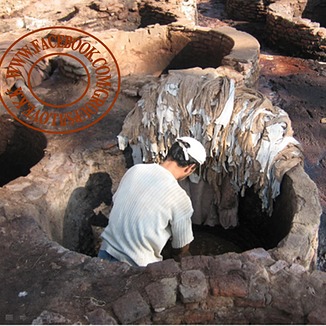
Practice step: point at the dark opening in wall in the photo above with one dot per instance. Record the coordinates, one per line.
(78, 233)
(256, 229)
(20, 149)
(316, 12)
(82, 227)
(195, 54)
(150, 16)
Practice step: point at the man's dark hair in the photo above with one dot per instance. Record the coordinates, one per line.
(176, 154)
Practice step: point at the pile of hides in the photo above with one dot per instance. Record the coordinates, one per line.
(248, 141)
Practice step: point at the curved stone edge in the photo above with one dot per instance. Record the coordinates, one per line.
(300, 245)
(240, 51)
(248, 288)
(250, 10)
(244, 56)
(302, 36)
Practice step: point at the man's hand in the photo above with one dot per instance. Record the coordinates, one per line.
(177, 254)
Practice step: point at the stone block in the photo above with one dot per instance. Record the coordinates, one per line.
(171, 316)
(219, 302)
(49, 317)
(162, 294)
(194, 317)
(317, 317)
(290, 294)
(297, 269)
(100, 317)
(131, 307)
(279, 265)
(196, 262)
(229, 286)
(193, 287)
(223, 264)
(165, 268)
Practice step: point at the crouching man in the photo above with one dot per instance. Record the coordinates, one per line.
(150, 207)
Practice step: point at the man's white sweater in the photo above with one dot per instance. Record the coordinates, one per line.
(149, 207)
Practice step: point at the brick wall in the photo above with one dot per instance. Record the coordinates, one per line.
(286, 29)
(249, 10)
(156, 49)
(293, 34)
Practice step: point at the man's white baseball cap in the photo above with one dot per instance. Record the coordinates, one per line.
(192, 147)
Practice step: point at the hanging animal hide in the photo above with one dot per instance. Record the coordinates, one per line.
(248, 141)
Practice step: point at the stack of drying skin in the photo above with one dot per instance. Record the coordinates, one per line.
(248, 141)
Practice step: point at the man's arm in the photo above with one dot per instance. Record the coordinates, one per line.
(178, 253)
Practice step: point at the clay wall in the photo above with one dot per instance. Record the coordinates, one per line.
(293, 34)
(286, 28)
(254, 287)
(156, 48)
(249, 10)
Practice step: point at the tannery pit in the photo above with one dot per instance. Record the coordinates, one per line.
(21, 148)
(81, 226)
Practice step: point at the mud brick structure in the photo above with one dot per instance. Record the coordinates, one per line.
(289, 31)
(180, 46)
(296, 26)
(247, 10)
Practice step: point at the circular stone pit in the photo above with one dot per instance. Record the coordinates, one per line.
(251, 287)
(20, 149)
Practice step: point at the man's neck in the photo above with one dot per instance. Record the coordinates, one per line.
(173, 167)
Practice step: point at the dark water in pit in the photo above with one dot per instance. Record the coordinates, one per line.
(209, 243)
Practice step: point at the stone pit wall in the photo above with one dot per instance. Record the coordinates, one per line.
(254, 287)
(60, 286)
(293, 34)
(166, 12)
(44, 195)
(256, 10)
(249, 10)
(248, 288)
(285, 29)
(150, 50)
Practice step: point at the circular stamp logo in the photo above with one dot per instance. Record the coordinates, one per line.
(59, 80)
